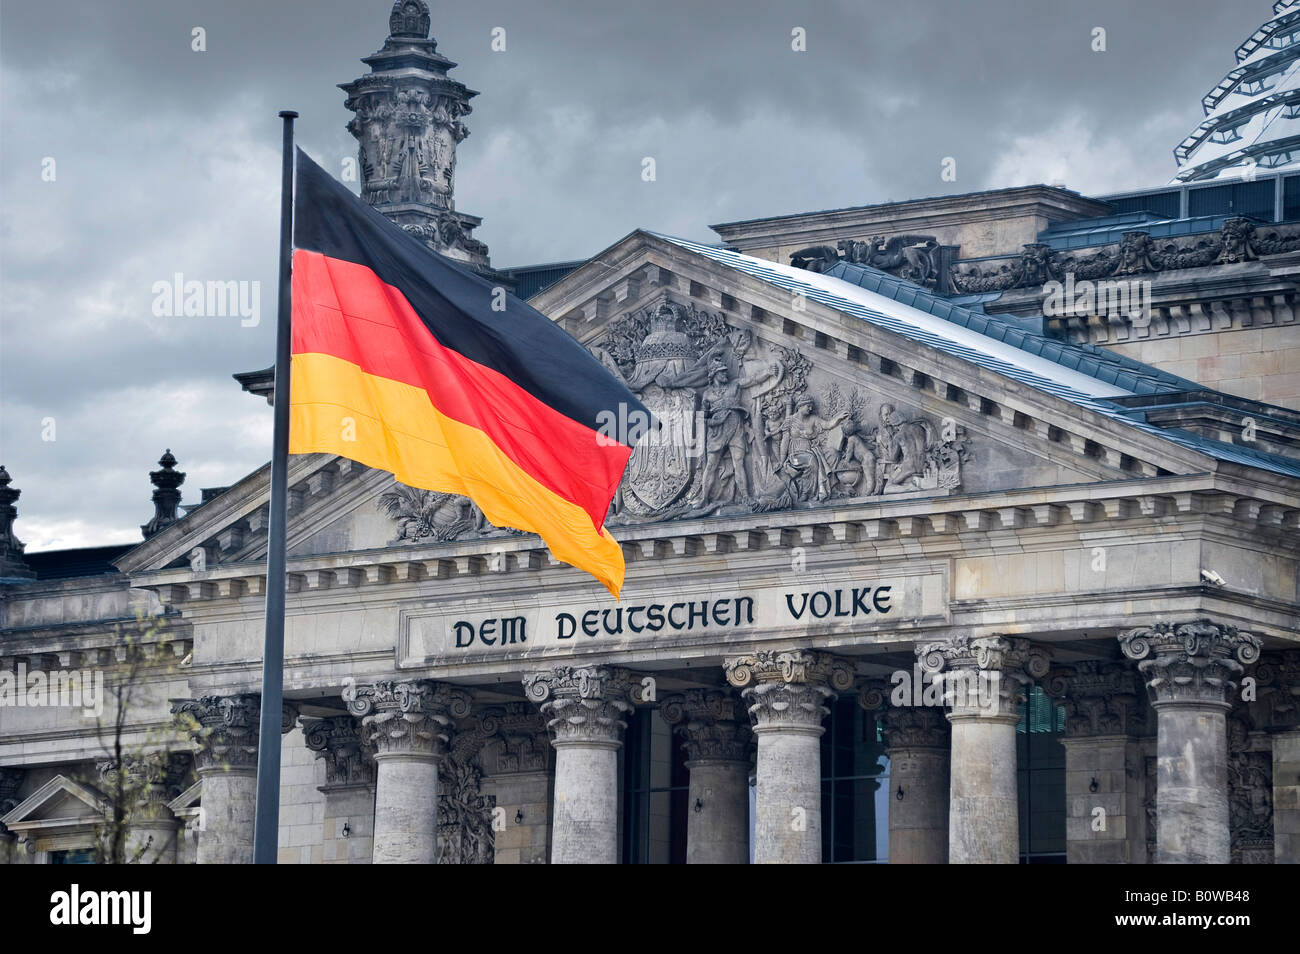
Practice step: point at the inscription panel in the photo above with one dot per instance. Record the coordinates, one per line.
(524, 628)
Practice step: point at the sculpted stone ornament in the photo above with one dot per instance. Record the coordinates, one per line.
(223, 729)
(12, 562)
(788, 688)
(146, 781)
(904, 727)
(519, 741)
(166, 496)
(425, 516)
(1239, 240)
(915, 258)
(712, 723)
(1250, 792)
(402, 718)
(984, 675)
(1099, 698)
(349, 759)
(408, 123)
(584, 704)
(1278, 678)
(1198, 661)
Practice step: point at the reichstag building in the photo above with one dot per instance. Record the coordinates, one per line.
(971, 534)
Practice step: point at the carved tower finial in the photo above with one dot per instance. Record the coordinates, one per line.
(166, 496)
(12, 562)
(409, 19)
(408, 125)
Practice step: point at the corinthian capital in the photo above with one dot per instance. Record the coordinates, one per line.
(1099, 698)
(712, 723)
(1195, 662)
(407, 718)
(787, 689)
(349, 759)
(583, 704)
(984, 676)
(1279, 685)
(223, 730)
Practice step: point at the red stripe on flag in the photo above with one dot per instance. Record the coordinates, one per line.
(345, 310)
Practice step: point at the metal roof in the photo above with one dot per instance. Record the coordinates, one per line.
(1082, 374)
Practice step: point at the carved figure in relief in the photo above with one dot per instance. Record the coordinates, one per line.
(727, 431)
(855, 473)
(805, 466)
(901, 448)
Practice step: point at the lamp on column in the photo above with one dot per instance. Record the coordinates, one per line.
(519, 816)
(1092, 786)
(699, 805)
(347, 830)
(899, 794)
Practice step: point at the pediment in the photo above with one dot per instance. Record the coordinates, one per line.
(60, 800)
(770, 399)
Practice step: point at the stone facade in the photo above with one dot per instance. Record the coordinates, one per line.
(836, 507)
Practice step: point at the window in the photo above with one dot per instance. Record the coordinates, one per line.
(1227, 133)
(855, 786)
(1291, 198)
(80, 856)
(1291, 111)
(1040, 770)
(1258, 84)
(1165, 204)
(1242, 198)
(1282, 39)
(655, 786)
(1275, 159)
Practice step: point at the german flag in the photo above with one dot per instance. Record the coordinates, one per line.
(409, 363)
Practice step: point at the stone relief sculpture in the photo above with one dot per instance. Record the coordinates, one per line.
(1239, 240)
(743, 426)
(916, 258)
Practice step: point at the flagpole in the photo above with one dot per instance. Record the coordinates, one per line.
(266, 829)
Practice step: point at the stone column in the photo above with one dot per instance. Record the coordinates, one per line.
(409, 725)
(584, 707)
(787, 692)
(149, 831)
(917, 739)
(349, 789)
(1191, 671)
(516, 764)
(224, 732)
(714, 729)
(1105, 822)
(983, 682)
(1279, 679)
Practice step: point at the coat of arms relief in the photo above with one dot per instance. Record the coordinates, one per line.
(742, 426)
(748, 426)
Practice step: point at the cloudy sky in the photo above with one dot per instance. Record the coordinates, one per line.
(166, 160)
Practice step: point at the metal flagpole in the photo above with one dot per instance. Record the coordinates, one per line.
(267, 827)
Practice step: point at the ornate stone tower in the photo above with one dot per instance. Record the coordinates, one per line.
(407, 125)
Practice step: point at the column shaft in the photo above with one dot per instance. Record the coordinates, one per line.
(718, 832)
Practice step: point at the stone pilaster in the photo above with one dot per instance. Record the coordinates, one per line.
(224, 732)
(714, 729)
(139, 784)
(1104, 716)
(517, 774)
(11, 779)
(787, 692)
(983, 681)
(349, 789)
(1278, 676)
(409, 725)
(585, 708)
(917, 740)
(1191, 670)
